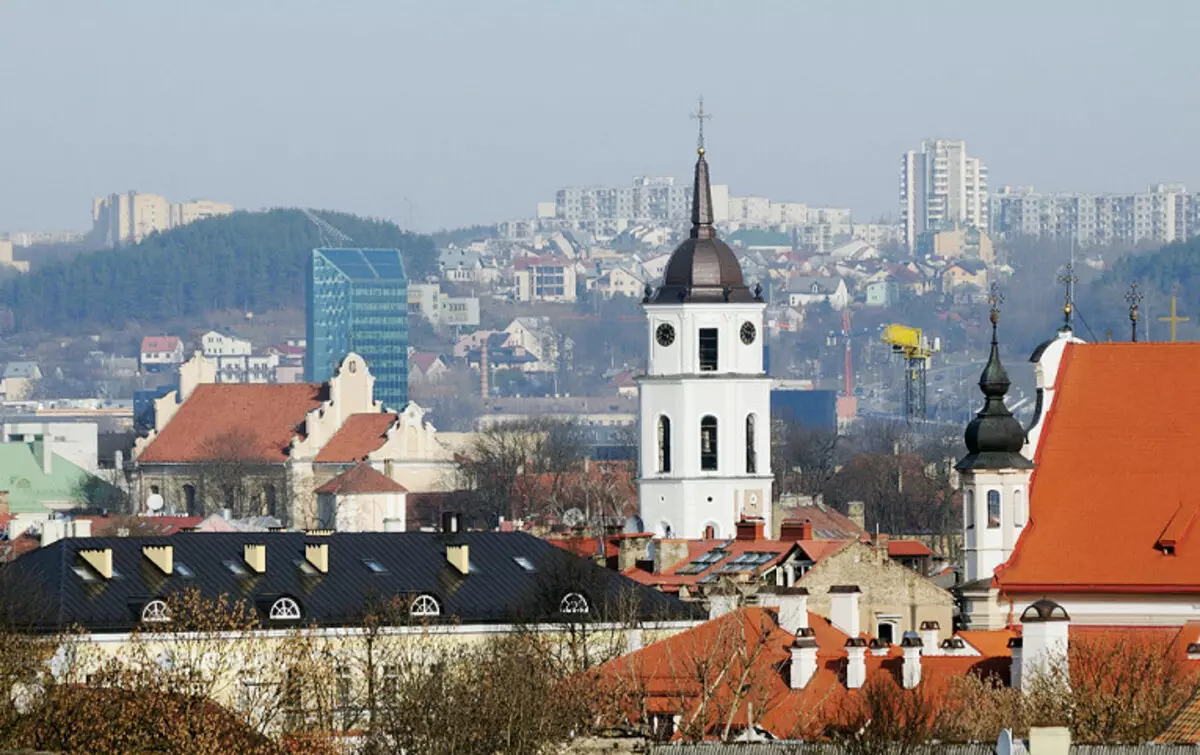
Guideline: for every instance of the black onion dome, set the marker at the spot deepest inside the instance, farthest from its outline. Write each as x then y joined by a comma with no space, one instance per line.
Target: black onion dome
995,437
703,268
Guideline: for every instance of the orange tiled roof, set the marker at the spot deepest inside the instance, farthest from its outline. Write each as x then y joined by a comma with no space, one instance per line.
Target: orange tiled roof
358,436
361,478
263,418
908,548
1116,453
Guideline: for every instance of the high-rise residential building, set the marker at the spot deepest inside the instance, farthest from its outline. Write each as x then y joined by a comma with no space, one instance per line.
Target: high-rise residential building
130,217
357,300
941,186
1161,214
653,200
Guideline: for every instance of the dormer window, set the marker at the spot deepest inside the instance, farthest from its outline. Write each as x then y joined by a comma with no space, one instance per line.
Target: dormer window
573,603
284,609
425,606
155,612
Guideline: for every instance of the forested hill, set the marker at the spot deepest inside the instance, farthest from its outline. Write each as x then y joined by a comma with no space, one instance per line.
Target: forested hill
1172,270
253,261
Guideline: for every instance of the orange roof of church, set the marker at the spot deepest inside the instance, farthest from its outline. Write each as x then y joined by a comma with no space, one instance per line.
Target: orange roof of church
259,418
1115,457
361,478
358,436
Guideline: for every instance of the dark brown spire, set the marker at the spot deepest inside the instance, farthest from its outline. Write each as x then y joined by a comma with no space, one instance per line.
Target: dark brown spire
702,209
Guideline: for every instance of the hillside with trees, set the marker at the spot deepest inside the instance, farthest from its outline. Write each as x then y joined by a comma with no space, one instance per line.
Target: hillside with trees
251,261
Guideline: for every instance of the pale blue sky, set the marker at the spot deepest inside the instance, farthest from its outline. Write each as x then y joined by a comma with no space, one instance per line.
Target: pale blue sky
453,112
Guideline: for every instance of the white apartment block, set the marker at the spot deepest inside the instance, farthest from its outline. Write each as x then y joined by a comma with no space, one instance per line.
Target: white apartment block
648,200
217,344
941,185
130,217
817,228
1161,214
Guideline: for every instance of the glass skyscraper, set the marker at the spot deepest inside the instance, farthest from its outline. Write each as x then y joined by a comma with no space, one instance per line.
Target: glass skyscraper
357,300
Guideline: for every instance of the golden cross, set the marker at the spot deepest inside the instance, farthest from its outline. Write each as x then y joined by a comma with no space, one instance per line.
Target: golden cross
1174,319
1068,279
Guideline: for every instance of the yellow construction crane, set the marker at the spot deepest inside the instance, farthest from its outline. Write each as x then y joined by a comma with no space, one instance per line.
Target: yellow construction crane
917,350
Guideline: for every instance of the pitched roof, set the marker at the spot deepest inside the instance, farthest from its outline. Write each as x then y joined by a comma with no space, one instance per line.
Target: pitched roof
1117,451
159,343
498,588
361,478
263,418
423,360
29,487
358,436
827,523
908,548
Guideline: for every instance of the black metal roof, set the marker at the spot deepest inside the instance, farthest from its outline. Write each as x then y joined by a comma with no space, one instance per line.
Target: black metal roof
497,589
703,268
994,438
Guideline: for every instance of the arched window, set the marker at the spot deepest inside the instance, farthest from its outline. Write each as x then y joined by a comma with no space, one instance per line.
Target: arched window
271,500
664,444
708,443
993,501
425,605
1018,507
751,456
573,602
155,612
284,609
189,500
969,505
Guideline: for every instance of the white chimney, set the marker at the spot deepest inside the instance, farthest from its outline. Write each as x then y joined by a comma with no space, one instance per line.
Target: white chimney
1049,740
911,670
856,662
720,604
1015,669
804,658
1044,640
929,637
791,605
843,608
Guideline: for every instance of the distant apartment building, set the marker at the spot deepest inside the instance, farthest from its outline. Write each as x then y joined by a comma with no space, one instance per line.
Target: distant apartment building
648,200
214,343
1161,214
544,279
160,352
941,186
357,300
7,260
130,217
30,238
428,301
816,229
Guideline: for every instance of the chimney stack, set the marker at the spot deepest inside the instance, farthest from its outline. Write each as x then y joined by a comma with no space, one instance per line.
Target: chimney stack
1044,639
317,554
911,670
750,529
255,556
929,636
483,369
459,556
843,608
100,559
450,522
804,659
162,556
794,529
856,662
856,511
1016,647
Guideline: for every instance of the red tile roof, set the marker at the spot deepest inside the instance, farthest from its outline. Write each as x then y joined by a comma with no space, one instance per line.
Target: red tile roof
827,523
137,526
359,435
423,360
260,419
360,479
908,548
585,546
154,344
1116,454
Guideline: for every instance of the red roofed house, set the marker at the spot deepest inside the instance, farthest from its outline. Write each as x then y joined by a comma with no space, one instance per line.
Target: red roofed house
265,449
362,499
159,352
426,367
1095,506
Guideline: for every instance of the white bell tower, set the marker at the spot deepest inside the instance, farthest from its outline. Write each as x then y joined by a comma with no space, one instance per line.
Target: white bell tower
705,402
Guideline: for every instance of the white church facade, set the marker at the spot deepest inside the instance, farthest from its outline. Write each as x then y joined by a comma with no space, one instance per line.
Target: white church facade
705,448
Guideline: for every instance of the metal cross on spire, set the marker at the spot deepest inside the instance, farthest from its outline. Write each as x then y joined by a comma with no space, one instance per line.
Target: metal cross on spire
1068,278
701,117
995,298
1134,297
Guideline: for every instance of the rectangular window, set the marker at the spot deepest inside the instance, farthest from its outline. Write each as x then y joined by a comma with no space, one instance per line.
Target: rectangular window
708,349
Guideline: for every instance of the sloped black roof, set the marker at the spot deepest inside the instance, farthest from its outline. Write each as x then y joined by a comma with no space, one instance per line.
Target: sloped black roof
498,588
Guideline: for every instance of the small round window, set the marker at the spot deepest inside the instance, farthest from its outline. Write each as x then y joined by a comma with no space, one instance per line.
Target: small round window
285,609
573,602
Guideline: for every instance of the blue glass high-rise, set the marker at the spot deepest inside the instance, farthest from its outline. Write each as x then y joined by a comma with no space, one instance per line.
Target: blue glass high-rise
357,300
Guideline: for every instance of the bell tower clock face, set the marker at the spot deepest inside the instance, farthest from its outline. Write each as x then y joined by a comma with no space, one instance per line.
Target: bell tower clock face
748,333
665,334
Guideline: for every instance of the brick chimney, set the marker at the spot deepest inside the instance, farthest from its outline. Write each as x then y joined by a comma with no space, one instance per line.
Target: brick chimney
750,529
794,529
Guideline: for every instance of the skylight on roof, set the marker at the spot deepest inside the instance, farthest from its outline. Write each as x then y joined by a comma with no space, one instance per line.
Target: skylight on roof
524,563
306,568
237,567
375,566
183,570
84,573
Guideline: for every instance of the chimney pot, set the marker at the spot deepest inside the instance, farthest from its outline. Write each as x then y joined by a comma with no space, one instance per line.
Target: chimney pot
750,529
804,662
450,522
794,529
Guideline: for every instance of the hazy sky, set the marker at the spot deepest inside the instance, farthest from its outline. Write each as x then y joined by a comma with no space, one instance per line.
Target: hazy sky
449,113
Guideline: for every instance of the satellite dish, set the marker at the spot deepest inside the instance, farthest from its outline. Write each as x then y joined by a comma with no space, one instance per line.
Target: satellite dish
155,502
573,517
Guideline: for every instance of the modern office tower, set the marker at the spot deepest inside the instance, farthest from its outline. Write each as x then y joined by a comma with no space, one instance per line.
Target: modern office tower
357,300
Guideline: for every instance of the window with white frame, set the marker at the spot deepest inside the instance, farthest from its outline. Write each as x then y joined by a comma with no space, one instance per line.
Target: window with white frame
574,603
284,609
425,605
155,612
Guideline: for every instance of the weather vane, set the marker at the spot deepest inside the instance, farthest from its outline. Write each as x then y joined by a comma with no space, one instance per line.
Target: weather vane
1068,278
701,117
1134,297
995,298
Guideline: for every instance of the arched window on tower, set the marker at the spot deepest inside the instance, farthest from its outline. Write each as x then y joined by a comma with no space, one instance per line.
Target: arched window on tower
993,501
751,455
969,505
708,444
1018,507
664,444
